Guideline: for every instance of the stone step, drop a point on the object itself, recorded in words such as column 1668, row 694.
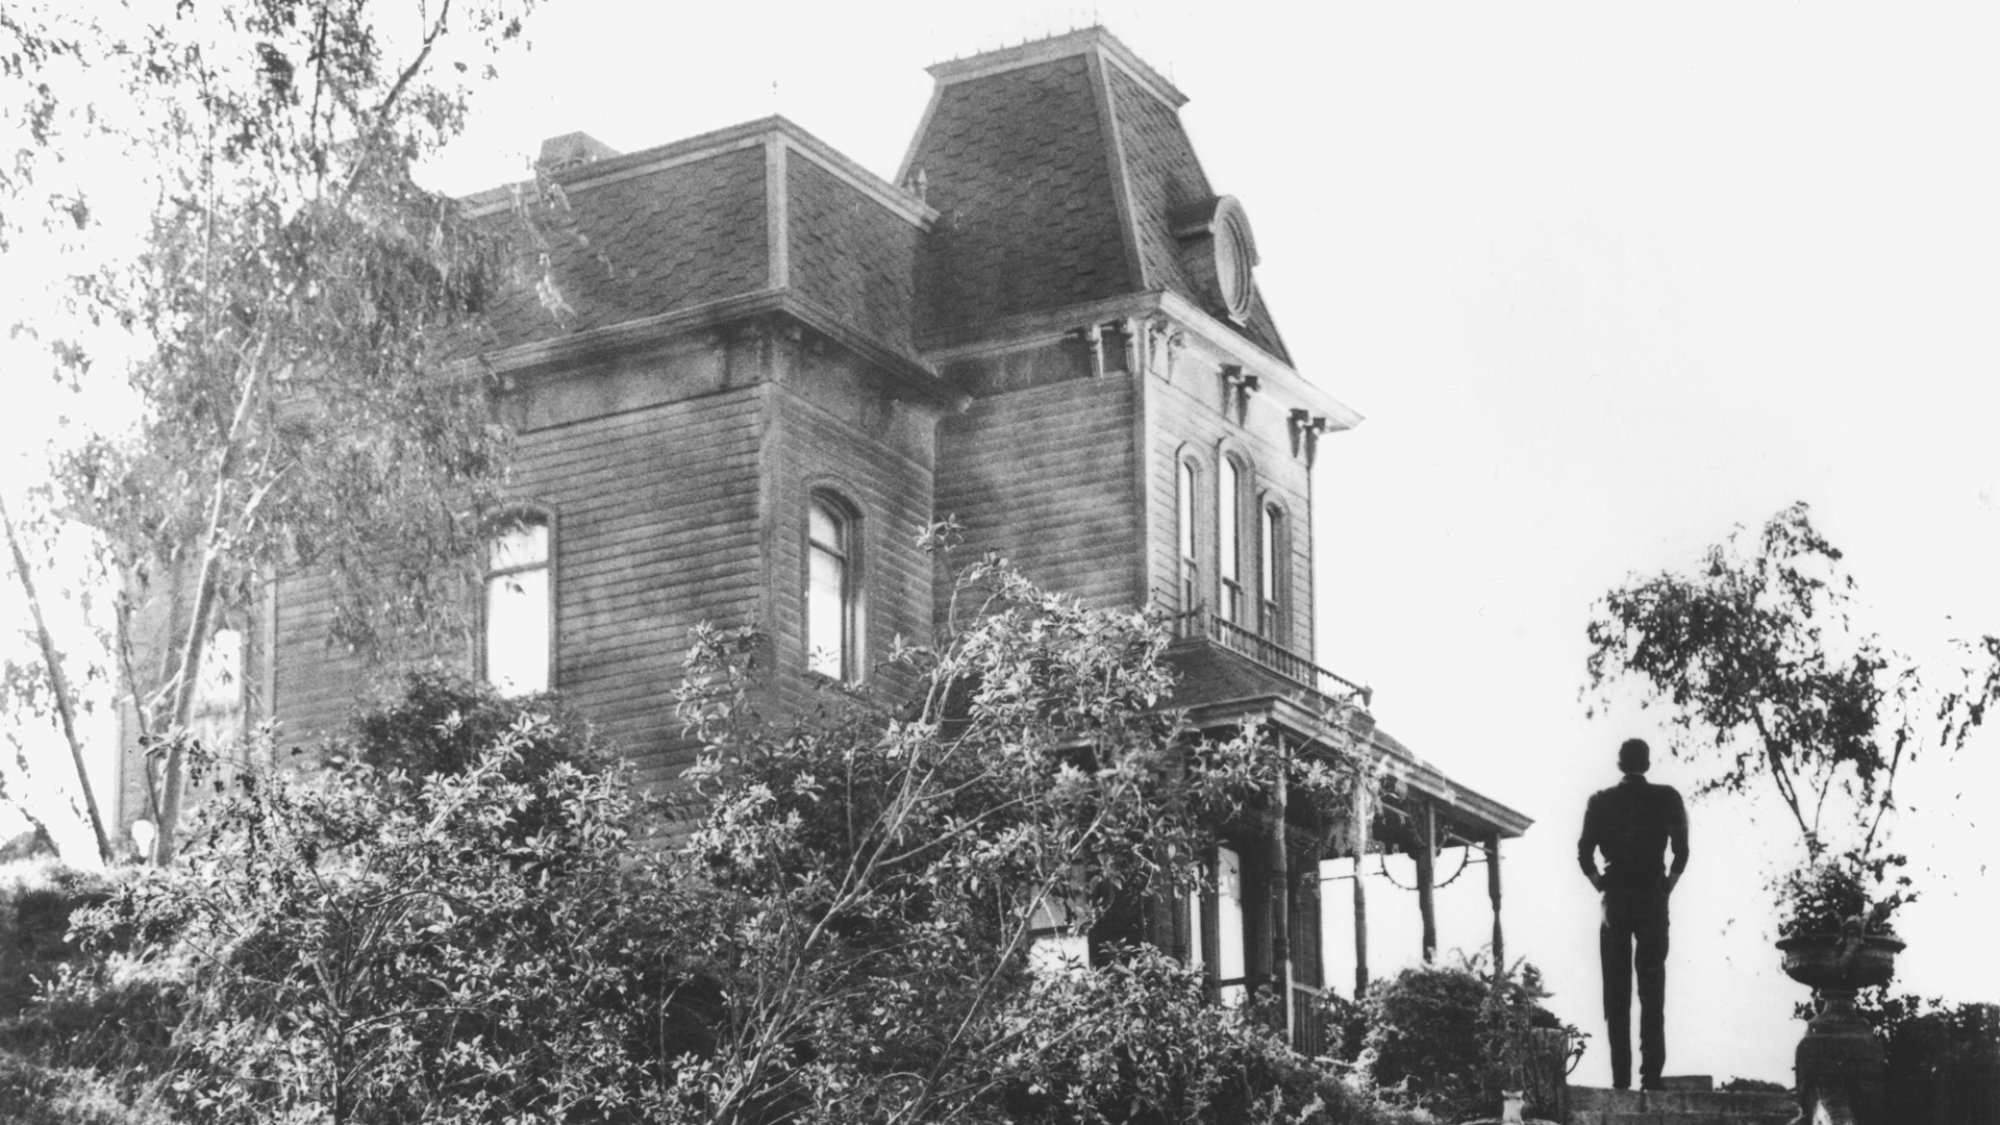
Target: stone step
column 1591, row 1117
column 1594, row 1105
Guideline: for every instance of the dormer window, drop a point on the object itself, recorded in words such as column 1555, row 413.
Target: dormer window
column 1215, row 236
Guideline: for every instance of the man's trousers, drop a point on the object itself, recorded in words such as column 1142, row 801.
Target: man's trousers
column 1633, row 939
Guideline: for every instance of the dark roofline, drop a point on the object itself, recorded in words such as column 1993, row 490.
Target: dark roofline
column 1037, row 51
column 749, row 134
column 912, row 377
column 1403, row 766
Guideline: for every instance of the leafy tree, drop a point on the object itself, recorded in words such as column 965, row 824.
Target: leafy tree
column 296, row 299
column 866, row 887
column 1767, row 679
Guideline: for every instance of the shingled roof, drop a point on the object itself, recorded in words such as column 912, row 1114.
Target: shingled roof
column 1043, row 176
column 762, row 208
column 1056, row 168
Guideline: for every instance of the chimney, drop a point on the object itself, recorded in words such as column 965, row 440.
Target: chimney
column 572, row 149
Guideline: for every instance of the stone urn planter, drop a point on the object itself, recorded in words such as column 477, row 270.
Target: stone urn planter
column 1840, row 1067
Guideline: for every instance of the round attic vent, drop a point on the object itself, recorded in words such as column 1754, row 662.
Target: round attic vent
column 1215, row 235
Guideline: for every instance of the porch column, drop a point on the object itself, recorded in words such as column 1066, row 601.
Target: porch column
column 1493, row 894
column 1426, row 880
column 1279, row 886
column 1360, row 930
column 1361, row 814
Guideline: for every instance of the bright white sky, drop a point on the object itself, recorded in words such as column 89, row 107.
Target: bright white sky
column 1606, row 281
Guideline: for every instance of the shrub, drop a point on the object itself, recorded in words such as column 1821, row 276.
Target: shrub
column 1943, row 1059
column 36, row 900
column 32, row 1094
column 1452, row 1040
column 1754, row 1086
column 443, row 723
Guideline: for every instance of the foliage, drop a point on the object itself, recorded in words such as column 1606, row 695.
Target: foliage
column 362, row 946
column 1753, row 1086
column 1943, row 1059
column 295, row 296
column 35, row 904
column 441, row 722
column 866, row 885
column 1842, row 894
column 1452, row 1038
column 31, row 1094
column 1768, row 680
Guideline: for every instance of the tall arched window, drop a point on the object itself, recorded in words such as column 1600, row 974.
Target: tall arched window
column 1190, row 568
column 832, row 613
column 1229, row 522
column 1274, row 565
column 516, row 652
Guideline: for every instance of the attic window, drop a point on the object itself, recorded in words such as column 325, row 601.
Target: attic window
column 1215, row 236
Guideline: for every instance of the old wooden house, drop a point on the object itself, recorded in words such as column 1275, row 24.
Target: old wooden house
column 775, row 369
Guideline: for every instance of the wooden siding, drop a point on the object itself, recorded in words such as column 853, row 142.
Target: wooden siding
column 872, row 464
column 656, row 514
column 1047, row 477
column 1185, row 412
column 318, row 682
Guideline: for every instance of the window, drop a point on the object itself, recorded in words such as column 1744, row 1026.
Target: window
column 1228, row 522
column 1055, row 943
column 832, row 616
column 1229, row 960
column 1190, row 569
column 518, row 607
column 1274, row 555
column 217, row 718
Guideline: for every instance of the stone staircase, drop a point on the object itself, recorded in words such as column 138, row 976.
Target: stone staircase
column 1592, row 1105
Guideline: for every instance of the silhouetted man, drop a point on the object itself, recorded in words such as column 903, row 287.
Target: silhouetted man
column 1632, row 823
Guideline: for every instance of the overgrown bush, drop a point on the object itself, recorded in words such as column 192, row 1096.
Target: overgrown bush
column 440, row 722
column 441, row 933
column 1943, row 1059
column 1451, row 1039
column 36, row 899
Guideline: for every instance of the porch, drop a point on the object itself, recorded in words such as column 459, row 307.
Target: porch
column 1230, row 675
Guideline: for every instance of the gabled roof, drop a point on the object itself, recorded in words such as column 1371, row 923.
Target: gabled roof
column 1057, row 168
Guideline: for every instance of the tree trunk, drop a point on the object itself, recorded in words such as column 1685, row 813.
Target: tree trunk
column 58, row 683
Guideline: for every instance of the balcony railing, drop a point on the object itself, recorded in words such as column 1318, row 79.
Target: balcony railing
column 1202, row 625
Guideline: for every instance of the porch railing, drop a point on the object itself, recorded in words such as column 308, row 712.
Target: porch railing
column 1205, row 626
column 1309, row 1030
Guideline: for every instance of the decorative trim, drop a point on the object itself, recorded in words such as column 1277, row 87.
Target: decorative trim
column 777, row 213
column 1121, row 176
column 1237, row 387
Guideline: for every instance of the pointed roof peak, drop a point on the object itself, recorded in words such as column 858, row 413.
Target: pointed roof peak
column 1090, row 40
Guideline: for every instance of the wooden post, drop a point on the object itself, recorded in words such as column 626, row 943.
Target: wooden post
column 1279, row 887
column 1426, row 878
column 1360, row 931
column 1493, row 894
column 1360, row 830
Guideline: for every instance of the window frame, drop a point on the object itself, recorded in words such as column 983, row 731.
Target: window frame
column 517, row 515
column 851, row 554
column 1274, row 570
column 1235, row 482
column 1187, row 532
